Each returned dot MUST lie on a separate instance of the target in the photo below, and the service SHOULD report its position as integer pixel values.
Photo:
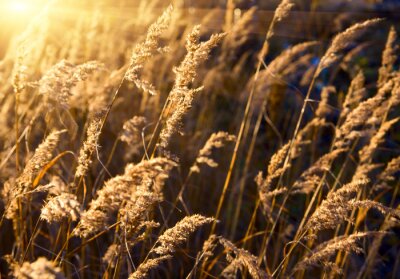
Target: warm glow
(16, 14)
(19, 6)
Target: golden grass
(174, 151)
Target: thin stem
(16, 132)
(264, 51)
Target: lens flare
(19, 6)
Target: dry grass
(156, 147)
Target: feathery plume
(143, 270)
(311, 178)
(280, 13)
(395, 97)
(57, 186)
(283, 9)
(24, 183)
(132, 130)
(230, 271)
(19, 75)
(181, 96)
(278, 159)
(389, 57)
(323, 108)
(40, 158)
(145, 50)
(121, 188)
(216, 141)
(388, 175)
(335, 209)
(323, 253)
(171, 238)
(353, 127)
(133, 134)
(275, 169)
(244, 258)
(133, 214)
(89, 147)
(209, 246)
(368, 204)
(287, 62)
(60, 207)
(342, 41)
(109, 257)
(265, 193)
(323, 111)
(367, 151)
(57, 84)
(41, 268)
(355, 95)
(381, 112)
(240, 35)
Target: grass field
(199, 139)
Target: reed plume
(173, 237)
(240, 35)
(57, 83)
(283, 9)
(355, 95)
(342, 41)
(146, 50)
(57, 186)
(331, 145)
(389, 57)
(24, 183)
(134, 213)
(311, 177)
(322, 254)
(19, 75)
(388, 175)
(354, 125)
(266, 194)
(369, 204)
(323, 111)
(60, 207)
(112, 252)
(169, 241)
(120, 189)
(276, 168)
(181, 96)
(216, 141)
(243, 258)
(144, 269)
(39, 269)
(335, 209)
(89, 147)
(282, 66)
(132, 130)
(378, 138)
(209, 246)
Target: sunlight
(15, 14)
(19, 6)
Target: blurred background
(107, 31)
(310, 18)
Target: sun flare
(19, 6)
